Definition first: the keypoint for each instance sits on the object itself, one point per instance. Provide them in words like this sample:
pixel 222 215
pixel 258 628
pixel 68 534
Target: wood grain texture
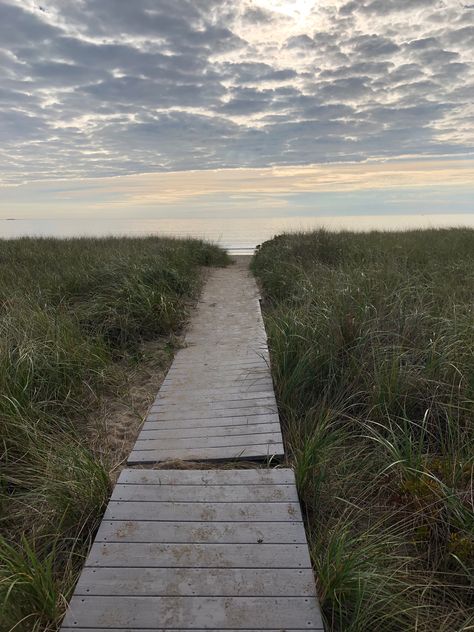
pixel 235 453
pixel 254 476
pixel 217 613
pixel 192 512
pixel 214 431
pixel 207 493
pixel 200 532
pixel 210 422
pixel 189 555
pixel 181 582
pixel 197 550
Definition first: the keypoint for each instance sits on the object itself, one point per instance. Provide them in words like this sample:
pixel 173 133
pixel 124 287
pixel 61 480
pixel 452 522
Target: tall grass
pixel 69 312
pixel 372 342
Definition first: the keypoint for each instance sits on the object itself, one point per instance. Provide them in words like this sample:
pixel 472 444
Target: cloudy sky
pixel 162 107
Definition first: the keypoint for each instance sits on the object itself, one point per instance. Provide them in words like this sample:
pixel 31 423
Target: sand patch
pixel 115 426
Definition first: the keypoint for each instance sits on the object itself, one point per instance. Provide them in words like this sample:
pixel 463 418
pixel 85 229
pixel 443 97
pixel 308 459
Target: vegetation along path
pixel 220 549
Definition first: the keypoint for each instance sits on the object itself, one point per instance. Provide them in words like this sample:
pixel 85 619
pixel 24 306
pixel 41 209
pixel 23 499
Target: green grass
pixel 372 342
pixel 71 313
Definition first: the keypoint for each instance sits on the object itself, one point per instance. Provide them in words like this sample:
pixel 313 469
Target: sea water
pixel 239 236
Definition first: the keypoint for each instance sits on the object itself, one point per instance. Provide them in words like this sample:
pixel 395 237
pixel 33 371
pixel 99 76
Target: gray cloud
pixel 108 87
pixel 384 7
pixel 369 46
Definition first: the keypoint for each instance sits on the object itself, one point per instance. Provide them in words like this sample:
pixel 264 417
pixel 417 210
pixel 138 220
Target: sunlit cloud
pixel 250 191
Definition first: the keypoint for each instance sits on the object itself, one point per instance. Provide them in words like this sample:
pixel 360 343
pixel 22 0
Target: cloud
pixel 309 189
pixel 110 87
pixel 384 7
pixel 369 46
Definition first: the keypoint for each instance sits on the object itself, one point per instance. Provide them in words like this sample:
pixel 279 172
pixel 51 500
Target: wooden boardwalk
pixel 199 550
pixel 192 549
pixel 217 401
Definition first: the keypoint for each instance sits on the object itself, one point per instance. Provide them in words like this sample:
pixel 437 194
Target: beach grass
pixel 72 312
pixel 372 344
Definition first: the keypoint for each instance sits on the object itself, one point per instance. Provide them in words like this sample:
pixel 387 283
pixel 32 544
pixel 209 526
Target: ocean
pixel 238 236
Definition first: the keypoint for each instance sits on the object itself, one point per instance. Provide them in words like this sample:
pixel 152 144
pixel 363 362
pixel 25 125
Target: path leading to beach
pixel 217 401
pixel 197 549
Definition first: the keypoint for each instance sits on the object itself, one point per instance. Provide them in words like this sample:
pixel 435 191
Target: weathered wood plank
pixel 254 368
pixel 249 476
pixel 231 356
pixel 205 379
pixel 230 386
pixel 241 378
pixel 215 613
pixel 242 440
pixel 167 415
pixel 210 416
pixel 206 493
pixel 209 422
pixel 255 360
pixel 208 397
pixel 150 555
pixel 179 582
pixel 201 532
pixel 207 512
pixel 186 407
pixel 264 451
pixel 197 433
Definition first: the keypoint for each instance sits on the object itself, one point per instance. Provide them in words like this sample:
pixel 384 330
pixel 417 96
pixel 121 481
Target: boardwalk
pixel 217 401
pixel 199 549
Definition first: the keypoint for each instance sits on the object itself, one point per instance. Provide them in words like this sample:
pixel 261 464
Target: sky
pixel 185 108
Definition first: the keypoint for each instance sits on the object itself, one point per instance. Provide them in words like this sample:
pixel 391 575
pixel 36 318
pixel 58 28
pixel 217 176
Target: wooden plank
pixel 212 368
pixel 258 364
pixel 203 396
pixel 150 555
pixel 230 386
pixel 248 476
pixel 232 356
pixel 209 393
pixel 206 493
pixel 254 369
pixel 264 451
pixel 233 353
pixel 211 441
pixel 186 407
pixel 201 412
pixel 209 363
pixel 166 415
pixel 209 422
pixel 215 613
pixel 183 382
pixel 212 375
pixel 211 418
pixel 180 582
pixel 206 375
pixel 201 532
pixel 196 433
pixel 206 512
